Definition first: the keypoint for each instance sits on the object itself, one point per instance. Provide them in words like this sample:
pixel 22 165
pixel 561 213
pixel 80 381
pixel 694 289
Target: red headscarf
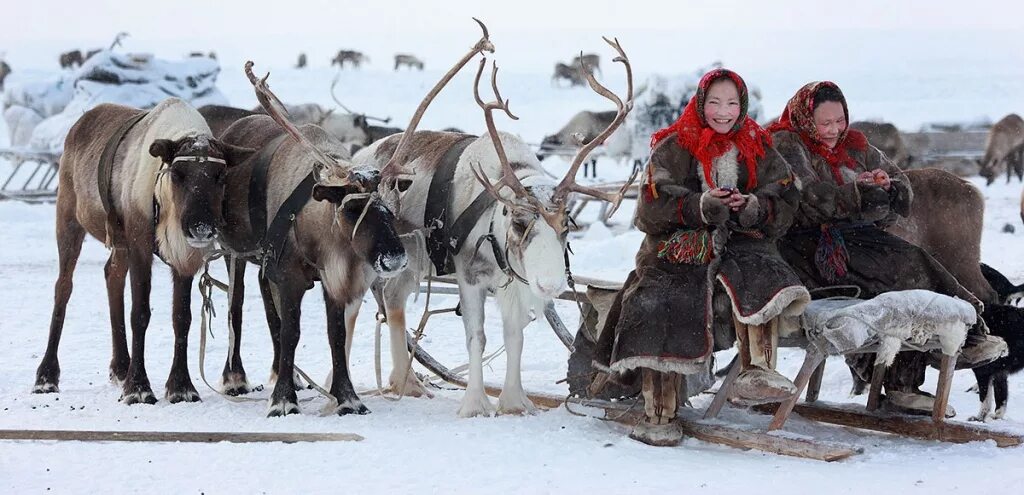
pixel 704 143
pixel 799 118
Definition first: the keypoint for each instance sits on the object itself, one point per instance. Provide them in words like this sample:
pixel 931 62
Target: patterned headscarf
pixel 798 117
pixel 704 143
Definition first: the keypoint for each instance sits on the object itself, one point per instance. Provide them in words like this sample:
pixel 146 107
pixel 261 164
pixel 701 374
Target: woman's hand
pixel 730 197
pixel 877 177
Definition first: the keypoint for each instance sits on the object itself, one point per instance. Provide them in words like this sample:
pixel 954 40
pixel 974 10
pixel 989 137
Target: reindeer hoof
pixel 518 406
pixel 279 409
pixel 474 405
pixel 234 384
pixel 118 372
pixel 138 397
pixel 978 419
pixel 47 377
pixel 45 388
pixel 412 387
pixel 183 396
pixel 351 406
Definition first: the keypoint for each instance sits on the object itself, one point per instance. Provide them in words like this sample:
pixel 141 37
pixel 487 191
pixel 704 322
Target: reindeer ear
pixel 163 149
pixel 234 155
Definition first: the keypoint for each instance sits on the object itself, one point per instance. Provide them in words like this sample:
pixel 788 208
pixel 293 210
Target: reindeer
pixel 351 56
pixel 220 117
pixel 523 217
pixel 570 73
pixel 1003 146
pixel 584 127
pixel 301 64
pixel 590 62
pixel 408 60
pixel 886 137
pixel 321 243
pixel 162 193
pixel 70 59
pixel 345 239
pixel 5 70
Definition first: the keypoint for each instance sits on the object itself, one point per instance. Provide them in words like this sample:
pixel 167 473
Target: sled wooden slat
pixel 900 424
pixel 174 436
pixel 712 433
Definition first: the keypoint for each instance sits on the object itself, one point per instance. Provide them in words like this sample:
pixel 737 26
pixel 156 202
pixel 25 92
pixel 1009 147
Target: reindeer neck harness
pixel 105 170
pixel 269 240
pixel 446 237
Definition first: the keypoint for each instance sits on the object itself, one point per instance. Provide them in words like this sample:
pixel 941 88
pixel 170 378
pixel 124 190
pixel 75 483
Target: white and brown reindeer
pixel 523 217
pixel 345 238
pixel 144 183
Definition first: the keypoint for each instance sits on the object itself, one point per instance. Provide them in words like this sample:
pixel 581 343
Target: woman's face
pixel 830 120
pixel 722 105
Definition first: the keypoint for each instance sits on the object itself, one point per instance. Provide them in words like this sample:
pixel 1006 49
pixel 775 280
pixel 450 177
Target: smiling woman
pixel 715 198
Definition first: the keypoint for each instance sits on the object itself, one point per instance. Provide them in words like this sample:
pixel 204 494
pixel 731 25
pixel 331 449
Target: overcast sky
pixel 90 20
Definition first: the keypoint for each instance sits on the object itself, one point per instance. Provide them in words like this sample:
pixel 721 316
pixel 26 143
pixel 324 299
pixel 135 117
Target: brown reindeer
pixel 70 59
pixel 5 70
pixel 946 221
pixel 351 56
pixel 886 137
pixel 220 117
pixel 407 60
pixel 163 195
pixel 1005 138
pixel 519 224
pixel 589 61
pixel 570 73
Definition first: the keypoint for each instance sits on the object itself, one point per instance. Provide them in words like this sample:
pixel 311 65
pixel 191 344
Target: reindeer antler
pixel 392 168
pixel 568 183
pixel 508 176
pixel 277 111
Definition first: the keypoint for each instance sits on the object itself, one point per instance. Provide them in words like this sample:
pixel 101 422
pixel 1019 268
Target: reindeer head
pixel 196 167
pixel 358 209
pixel 534 209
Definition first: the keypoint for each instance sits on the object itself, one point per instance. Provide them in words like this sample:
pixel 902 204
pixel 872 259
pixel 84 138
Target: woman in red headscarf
pixel 716 196
pixel 850 192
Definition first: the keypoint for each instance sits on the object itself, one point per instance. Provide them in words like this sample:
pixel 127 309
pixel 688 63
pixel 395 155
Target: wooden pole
pixel 175 436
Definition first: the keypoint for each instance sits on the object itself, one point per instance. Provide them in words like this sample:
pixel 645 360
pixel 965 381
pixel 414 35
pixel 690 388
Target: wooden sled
pixel 869 417
pixel 31 184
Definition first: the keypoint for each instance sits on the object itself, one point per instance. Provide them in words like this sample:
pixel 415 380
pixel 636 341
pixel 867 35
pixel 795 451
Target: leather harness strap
pixel 258 186
pixel 436 215
pixel 105 172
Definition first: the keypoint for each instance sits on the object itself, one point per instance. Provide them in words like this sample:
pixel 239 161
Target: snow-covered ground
pixel 416 445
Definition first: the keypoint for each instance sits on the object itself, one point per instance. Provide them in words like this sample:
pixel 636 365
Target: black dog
pixel 1004 321
pixel 1008 293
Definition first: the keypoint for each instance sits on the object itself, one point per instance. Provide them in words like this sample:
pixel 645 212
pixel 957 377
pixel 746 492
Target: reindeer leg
pixel 288 301
pixel 70 235
pixel 341 383
pixel 233 379
pixel 136 387
pixel 1000 385
pixel 274 324
pixel 179 386
pixel 475 402
pixel 513 399
pixel 984 395
pixel 396 293
pixel 115 272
